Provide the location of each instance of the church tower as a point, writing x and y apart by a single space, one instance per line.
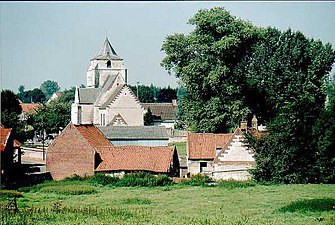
106 63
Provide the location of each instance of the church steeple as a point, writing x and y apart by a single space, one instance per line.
107 51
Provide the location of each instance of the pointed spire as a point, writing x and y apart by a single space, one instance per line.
107 51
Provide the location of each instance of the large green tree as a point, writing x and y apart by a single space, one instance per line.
232 69
49 87
10 109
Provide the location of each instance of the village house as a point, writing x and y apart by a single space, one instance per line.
164 113
10 149
84 150
220 156
136 135
27 108
107 100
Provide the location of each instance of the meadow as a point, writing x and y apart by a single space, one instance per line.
82 202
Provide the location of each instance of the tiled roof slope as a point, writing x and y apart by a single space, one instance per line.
4 136
136 158
93 135
203 146
166 111
88 95
134 132
107 51
29 107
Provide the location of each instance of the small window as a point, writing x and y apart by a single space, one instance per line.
202 166
109 64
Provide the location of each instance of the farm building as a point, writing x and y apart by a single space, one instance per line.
84 150
164 113
119 160
221 156
136 135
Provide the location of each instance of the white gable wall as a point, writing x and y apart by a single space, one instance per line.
126 105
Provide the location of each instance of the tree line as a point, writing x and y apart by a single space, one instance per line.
232 70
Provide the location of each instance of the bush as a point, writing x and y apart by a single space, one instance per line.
144 179
231 184
69 189
102 179
10 194
198 180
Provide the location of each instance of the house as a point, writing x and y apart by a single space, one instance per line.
27 108
136 135
107 100
84 150
220 156
119 160
10 149
164 113
54 96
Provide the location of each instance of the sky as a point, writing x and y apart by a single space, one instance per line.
55 40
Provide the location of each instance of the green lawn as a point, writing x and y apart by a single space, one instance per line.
277 204
181 147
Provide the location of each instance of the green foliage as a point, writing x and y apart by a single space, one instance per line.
69 189
166 95
148 118
102 179
144 179
151 94
197 180
232 70
31 96
67 96
310 205
49 87
52 116
10 109
10 194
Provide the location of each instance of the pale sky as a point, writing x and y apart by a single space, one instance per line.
56 40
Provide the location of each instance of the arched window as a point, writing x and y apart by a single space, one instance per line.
109 64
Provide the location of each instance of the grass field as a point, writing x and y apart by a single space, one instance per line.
176 204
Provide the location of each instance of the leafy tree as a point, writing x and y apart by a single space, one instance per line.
67 95
166 94
35 95
148 118
50 117
10 109
49 88
232 69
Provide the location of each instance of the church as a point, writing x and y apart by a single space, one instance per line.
107 100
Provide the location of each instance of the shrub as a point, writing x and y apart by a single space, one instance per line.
10 194
144 179
198 180
231 184
311 205
69 189
102 179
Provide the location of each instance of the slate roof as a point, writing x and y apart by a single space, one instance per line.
93 135
134 132
107 51
136 158
113 95
4 136
88 95
166 111
29 107
203 146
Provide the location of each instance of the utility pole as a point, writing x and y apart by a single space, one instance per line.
137 83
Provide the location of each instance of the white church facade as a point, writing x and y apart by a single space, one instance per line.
107 100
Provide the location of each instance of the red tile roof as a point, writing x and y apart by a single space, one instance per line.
136 158
4 136
29 107
203 146
93 135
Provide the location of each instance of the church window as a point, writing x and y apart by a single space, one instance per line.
103 119
109 64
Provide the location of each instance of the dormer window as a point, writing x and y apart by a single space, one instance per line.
109 64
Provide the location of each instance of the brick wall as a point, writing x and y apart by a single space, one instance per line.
70 154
